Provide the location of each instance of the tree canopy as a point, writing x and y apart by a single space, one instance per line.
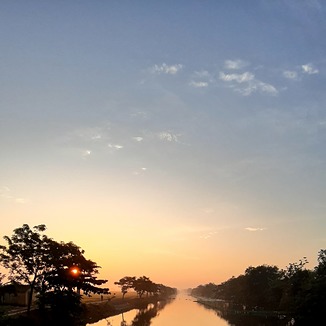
52 268
142 285
295 290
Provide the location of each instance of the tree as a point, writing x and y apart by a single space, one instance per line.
70 270
296 282
125 284
26 256
261 286
57 270
69 273
311 305
142 285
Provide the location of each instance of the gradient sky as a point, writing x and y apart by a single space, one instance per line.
182 140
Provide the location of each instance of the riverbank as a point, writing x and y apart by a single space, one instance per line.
231 311
92 311
95 311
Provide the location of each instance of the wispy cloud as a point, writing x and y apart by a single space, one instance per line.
96 137
140 171
86 153
290 74
166 69
21 200
138 138
254 229
246 83
7 194
168 136
202 74
199 84
309 69
201 79
115 146
235 64
298 73
239 78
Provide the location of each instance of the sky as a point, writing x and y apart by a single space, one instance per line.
182 140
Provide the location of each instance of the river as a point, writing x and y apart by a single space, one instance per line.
181 311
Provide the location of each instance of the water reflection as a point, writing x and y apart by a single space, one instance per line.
135 317
184 311
144 316
249 320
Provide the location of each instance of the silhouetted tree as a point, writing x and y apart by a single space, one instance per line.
261 284
26 256
57 270
166 291
310 306
142 285
296 281
297 291
69 274
71 270
208 290
125 284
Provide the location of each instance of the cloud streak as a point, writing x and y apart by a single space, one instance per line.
166 69
199 84
235 64
7 194
250 229
309 69
246 83
168 136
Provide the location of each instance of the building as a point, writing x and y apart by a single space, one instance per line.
14 294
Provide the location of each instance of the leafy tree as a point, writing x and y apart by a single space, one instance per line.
26 256
296 282
310 306
69 274
71 270
165 291
57 270
142 285
296 291
233 290
208 290
261 286
125 284
321 267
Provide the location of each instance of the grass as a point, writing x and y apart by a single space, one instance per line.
114 297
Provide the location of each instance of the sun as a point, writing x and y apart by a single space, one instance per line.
75 271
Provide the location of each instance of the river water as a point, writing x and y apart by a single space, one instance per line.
181 311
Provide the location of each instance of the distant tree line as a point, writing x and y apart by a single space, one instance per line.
143 285
295 290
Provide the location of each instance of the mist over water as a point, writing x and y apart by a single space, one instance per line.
182 310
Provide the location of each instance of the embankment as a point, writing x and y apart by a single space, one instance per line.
95 311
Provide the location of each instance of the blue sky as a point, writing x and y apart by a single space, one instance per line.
190 129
